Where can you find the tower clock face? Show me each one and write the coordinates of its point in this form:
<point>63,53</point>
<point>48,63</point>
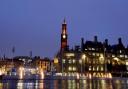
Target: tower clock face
<point>64,36</point>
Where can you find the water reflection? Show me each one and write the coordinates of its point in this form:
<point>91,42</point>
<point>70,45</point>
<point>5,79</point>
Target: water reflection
<point>65,84</point>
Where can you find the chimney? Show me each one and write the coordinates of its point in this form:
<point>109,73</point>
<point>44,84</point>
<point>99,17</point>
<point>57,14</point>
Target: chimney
<point>119,41</point>
<point>77,48</point>
<point>95,39</point>
<point>82,44</point>
<point>67,48</point>
<point>106,41</point>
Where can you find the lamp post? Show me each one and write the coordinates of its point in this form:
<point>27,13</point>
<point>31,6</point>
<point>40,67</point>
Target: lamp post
<point>83,58</point>
<point>105,60</point>
<point>80,61</point>
<point>13,51</point>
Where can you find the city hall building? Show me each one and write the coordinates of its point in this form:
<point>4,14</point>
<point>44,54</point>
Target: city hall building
<point>91,56</point>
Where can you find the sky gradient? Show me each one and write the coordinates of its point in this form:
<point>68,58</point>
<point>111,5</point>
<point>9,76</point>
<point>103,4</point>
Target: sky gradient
<point>35,25</point>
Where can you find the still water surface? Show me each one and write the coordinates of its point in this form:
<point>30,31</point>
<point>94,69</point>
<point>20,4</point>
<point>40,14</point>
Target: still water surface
<point>65,84</point>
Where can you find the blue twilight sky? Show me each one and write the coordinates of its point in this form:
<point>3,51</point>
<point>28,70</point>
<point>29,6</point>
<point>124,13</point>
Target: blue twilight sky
<point>36,24</point>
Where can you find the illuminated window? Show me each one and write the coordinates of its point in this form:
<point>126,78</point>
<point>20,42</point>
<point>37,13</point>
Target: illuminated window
<point>89,61</point>
<point>120,51</point>
<point>97,68</point>
<point>101,59</point>
<point>97,54</point>
<point>121,55</point>
<point>94,62</point>
<point>70,61</point>
<point>64,31</point>
<point>102,68</point>
<point>93,49</point>
<point>85,49</point>
<point>74,68</point>
<point>70,68</point>
<point>93,68</point>
<point>113,55</point>
<point>74,60</point>
<point>83,56</point>
<point>55,60</point>
<point>80,61</point>
<point>63,60</point>
<point>126,56</point>
<point>117,59</point>
<point>127,63</point>
<point>70,54</point>
<point>109,61</point>
<point>93,54</point>
<point>108,55</point>
<point>89,48</point>
<point>89,68</point>
<point>101,55</point>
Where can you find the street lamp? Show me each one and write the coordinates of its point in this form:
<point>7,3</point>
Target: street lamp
<point>83,56</point>
<point>80,61</point>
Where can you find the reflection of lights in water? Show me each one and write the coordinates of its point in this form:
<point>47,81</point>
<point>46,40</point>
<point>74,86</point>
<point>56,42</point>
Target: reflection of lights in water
<point>0,72</point>
<point>21,69</point>
<point>84,81</point>
<point>19,85</point>
<point>99,75</point>
<point>41,84</point>
<point>1,86</point>
<point>84,84</point>
<point>90,76</point>
<point>36,84</point>
<point>103,83</point>
<point>127,82</point>
<point>72,84</point>
<point>78,76</point>
<point>42,75</point>
<point>29,85</point>
<point>117,81</point>
<point>110,75</point>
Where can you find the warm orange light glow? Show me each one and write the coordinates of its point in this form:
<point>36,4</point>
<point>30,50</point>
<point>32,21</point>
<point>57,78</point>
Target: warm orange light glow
<point>117,59</point>
<point>64,36</point>
<point>70,54</point>
<point>78,77</point>
<point>0,72</point>
<point>83,56</point>
<point>56,61</point>
<point>42,74</point>
<point>21,69</point>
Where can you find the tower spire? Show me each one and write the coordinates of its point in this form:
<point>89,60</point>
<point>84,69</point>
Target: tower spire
<point>64,21</point>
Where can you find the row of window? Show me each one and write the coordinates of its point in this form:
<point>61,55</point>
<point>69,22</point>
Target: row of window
<point>93,49</point>
<point>69,61</point>
<point>73,61</point>
<point>71,68</point>
<point>97,68</point>
<point>109,55</point>
<point>91,68</point>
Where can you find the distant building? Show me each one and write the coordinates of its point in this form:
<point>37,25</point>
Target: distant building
<point>42,64</point>
<point>7,64</point>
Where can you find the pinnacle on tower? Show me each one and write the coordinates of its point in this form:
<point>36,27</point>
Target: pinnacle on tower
<point>64,21</point>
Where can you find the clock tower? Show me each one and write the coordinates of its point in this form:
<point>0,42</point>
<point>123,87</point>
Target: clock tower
<point>64,36</point>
